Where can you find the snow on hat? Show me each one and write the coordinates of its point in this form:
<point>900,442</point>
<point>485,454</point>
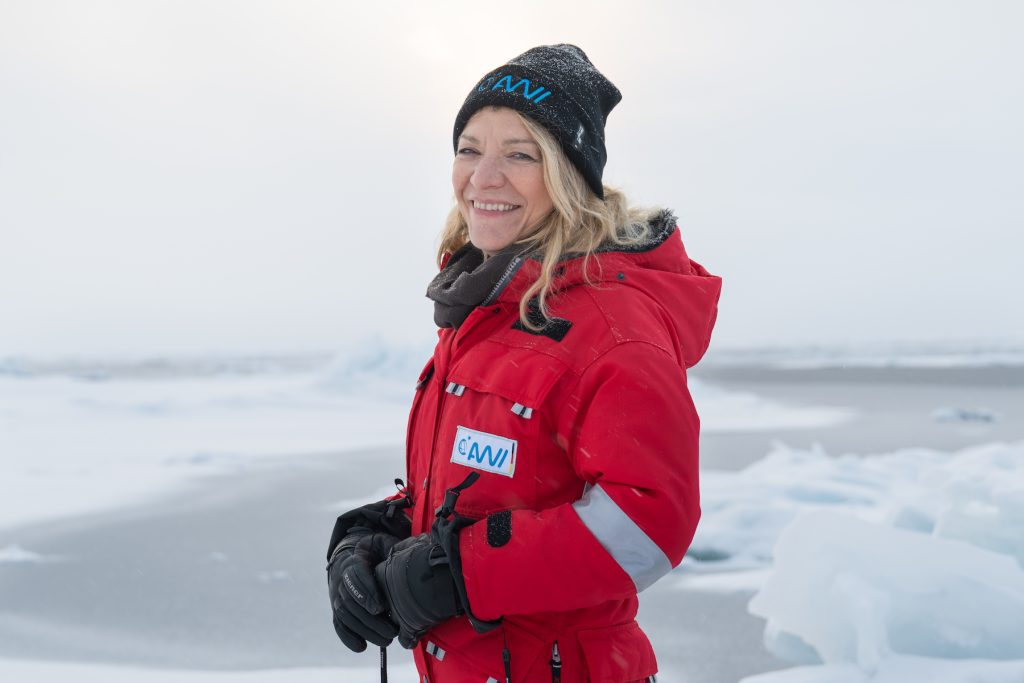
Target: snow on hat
<point>559,88</point>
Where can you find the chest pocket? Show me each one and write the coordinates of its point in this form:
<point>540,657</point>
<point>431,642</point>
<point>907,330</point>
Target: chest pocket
<point>496,421</point>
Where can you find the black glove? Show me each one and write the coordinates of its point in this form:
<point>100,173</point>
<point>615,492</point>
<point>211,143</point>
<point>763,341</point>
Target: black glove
<point>421,592</point>
<point>422,576</point>
<point>361,538</point>
<point>358,604</point>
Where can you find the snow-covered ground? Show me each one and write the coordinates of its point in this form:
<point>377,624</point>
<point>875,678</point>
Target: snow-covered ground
<point>882,567</point>
<point>91,441</point>
<point>49,672</point>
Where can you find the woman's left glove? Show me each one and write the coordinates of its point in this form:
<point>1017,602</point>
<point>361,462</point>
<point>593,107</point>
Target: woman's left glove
<point>421,592</point>
<point>422,575</point>
<point>360,609</point>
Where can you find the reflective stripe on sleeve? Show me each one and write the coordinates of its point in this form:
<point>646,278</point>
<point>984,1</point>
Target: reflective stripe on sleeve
<point>636,553</point>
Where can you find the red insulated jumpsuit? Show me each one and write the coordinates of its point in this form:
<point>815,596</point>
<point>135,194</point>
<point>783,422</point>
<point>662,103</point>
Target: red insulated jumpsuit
<point>585,438</point>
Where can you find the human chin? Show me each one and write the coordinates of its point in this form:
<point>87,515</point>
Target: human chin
<point>490,238</point>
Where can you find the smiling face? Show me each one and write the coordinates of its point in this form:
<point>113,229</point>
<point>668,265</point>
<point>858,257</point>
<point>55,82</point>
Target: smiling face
<point>498,179</point>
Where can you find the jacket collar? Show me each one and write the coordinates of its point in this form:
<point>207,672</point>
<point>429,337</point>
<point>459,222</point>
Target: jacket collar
<point>659,270</point>
<point>524,270</point>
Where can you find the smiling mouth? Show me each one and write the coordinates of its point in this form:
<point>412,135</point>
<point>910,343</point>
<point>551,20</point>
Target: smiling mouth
<point>482,206</point>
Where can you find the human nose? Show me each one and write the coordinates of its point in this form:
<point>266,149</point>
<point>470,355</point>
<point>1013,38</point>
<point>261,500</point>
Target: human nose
<point>487,173</point>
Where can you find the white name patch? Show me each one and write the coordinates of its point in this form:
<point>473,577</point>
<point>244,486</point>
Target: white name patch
<point>484,451</point>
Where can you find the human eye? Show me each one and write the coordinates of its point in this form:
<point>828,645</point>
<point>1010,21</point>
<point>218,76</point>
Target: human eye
<point>522,156</point>
<point>466,151</point>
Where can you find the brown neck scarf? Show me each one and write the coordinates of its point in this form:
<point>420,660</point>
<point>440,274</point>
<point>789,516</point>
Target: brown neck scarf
<point>469,280</point>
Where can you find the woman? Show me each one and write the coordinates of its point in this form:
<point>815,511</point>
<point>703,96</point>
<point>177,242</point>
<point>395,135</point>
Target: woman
<point>552,443</point>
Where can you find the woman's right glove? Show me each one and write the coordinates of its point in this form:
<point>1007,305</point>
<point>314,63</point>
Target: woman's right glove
<point>360,610</point>
<point>361,538</point>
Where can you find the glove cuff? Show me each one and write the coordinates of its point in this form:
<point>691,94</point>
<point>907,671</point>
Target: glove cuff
<point>343,545</point>
<point>446,534</point>
<point>384,516</point>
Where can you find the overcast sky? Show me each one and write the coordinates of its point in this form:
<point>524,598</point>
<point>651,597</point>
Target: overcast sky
<point>185,177</point>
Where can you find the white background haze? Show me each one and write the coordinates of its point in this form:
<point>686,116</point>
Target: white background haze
<point>188,177</point>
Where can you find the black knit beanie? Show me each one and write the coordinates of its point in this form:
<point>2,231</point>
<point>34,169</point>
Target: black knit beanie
<point>558,87</point>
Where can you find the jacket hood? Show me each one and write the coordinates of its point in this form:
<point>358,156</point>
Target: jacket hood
<point>686,293</point>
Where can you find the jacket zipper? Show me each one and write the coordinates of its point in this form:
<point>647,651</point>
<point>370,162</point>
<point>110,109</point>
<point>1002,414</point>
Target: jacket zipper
<point>510,270</point>
<point>429,474</point>
<point>556,664</point>
<point>502,282</point>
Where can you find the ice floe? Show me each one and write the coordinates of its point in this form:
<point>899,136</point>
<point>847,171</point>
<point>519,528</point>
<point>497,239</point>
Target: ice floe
<point>903,566</point>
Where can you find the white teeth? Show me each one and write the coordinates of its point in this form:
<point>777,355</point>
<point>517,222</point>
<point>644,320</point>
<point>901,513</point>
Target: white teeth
<point>494,207</point>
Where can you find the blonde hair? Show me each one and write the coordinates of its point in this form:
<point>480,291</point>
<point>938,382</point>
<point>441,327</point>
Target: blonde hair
<point>579,223</point>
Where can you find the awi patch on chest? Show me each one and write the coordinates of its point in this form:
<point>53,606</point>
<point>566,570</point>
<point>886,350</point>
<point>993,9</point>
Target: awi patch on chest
<point>483,451</point>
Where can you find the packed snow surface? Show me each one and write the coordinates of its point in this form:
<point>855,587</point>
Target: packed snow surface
<point>723,411</point>
<point>980,414</point>
<point>902,669</point>
<point>49,672</point>
<point>14,553</point>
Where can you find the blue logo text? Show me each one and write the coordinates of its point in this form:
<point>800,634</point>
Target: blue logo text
<point>538,93</point>
<point>472,451</point>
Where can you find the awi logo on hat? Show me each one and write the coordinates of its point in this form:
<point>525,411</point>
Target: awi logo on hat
<point>498,81</point>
